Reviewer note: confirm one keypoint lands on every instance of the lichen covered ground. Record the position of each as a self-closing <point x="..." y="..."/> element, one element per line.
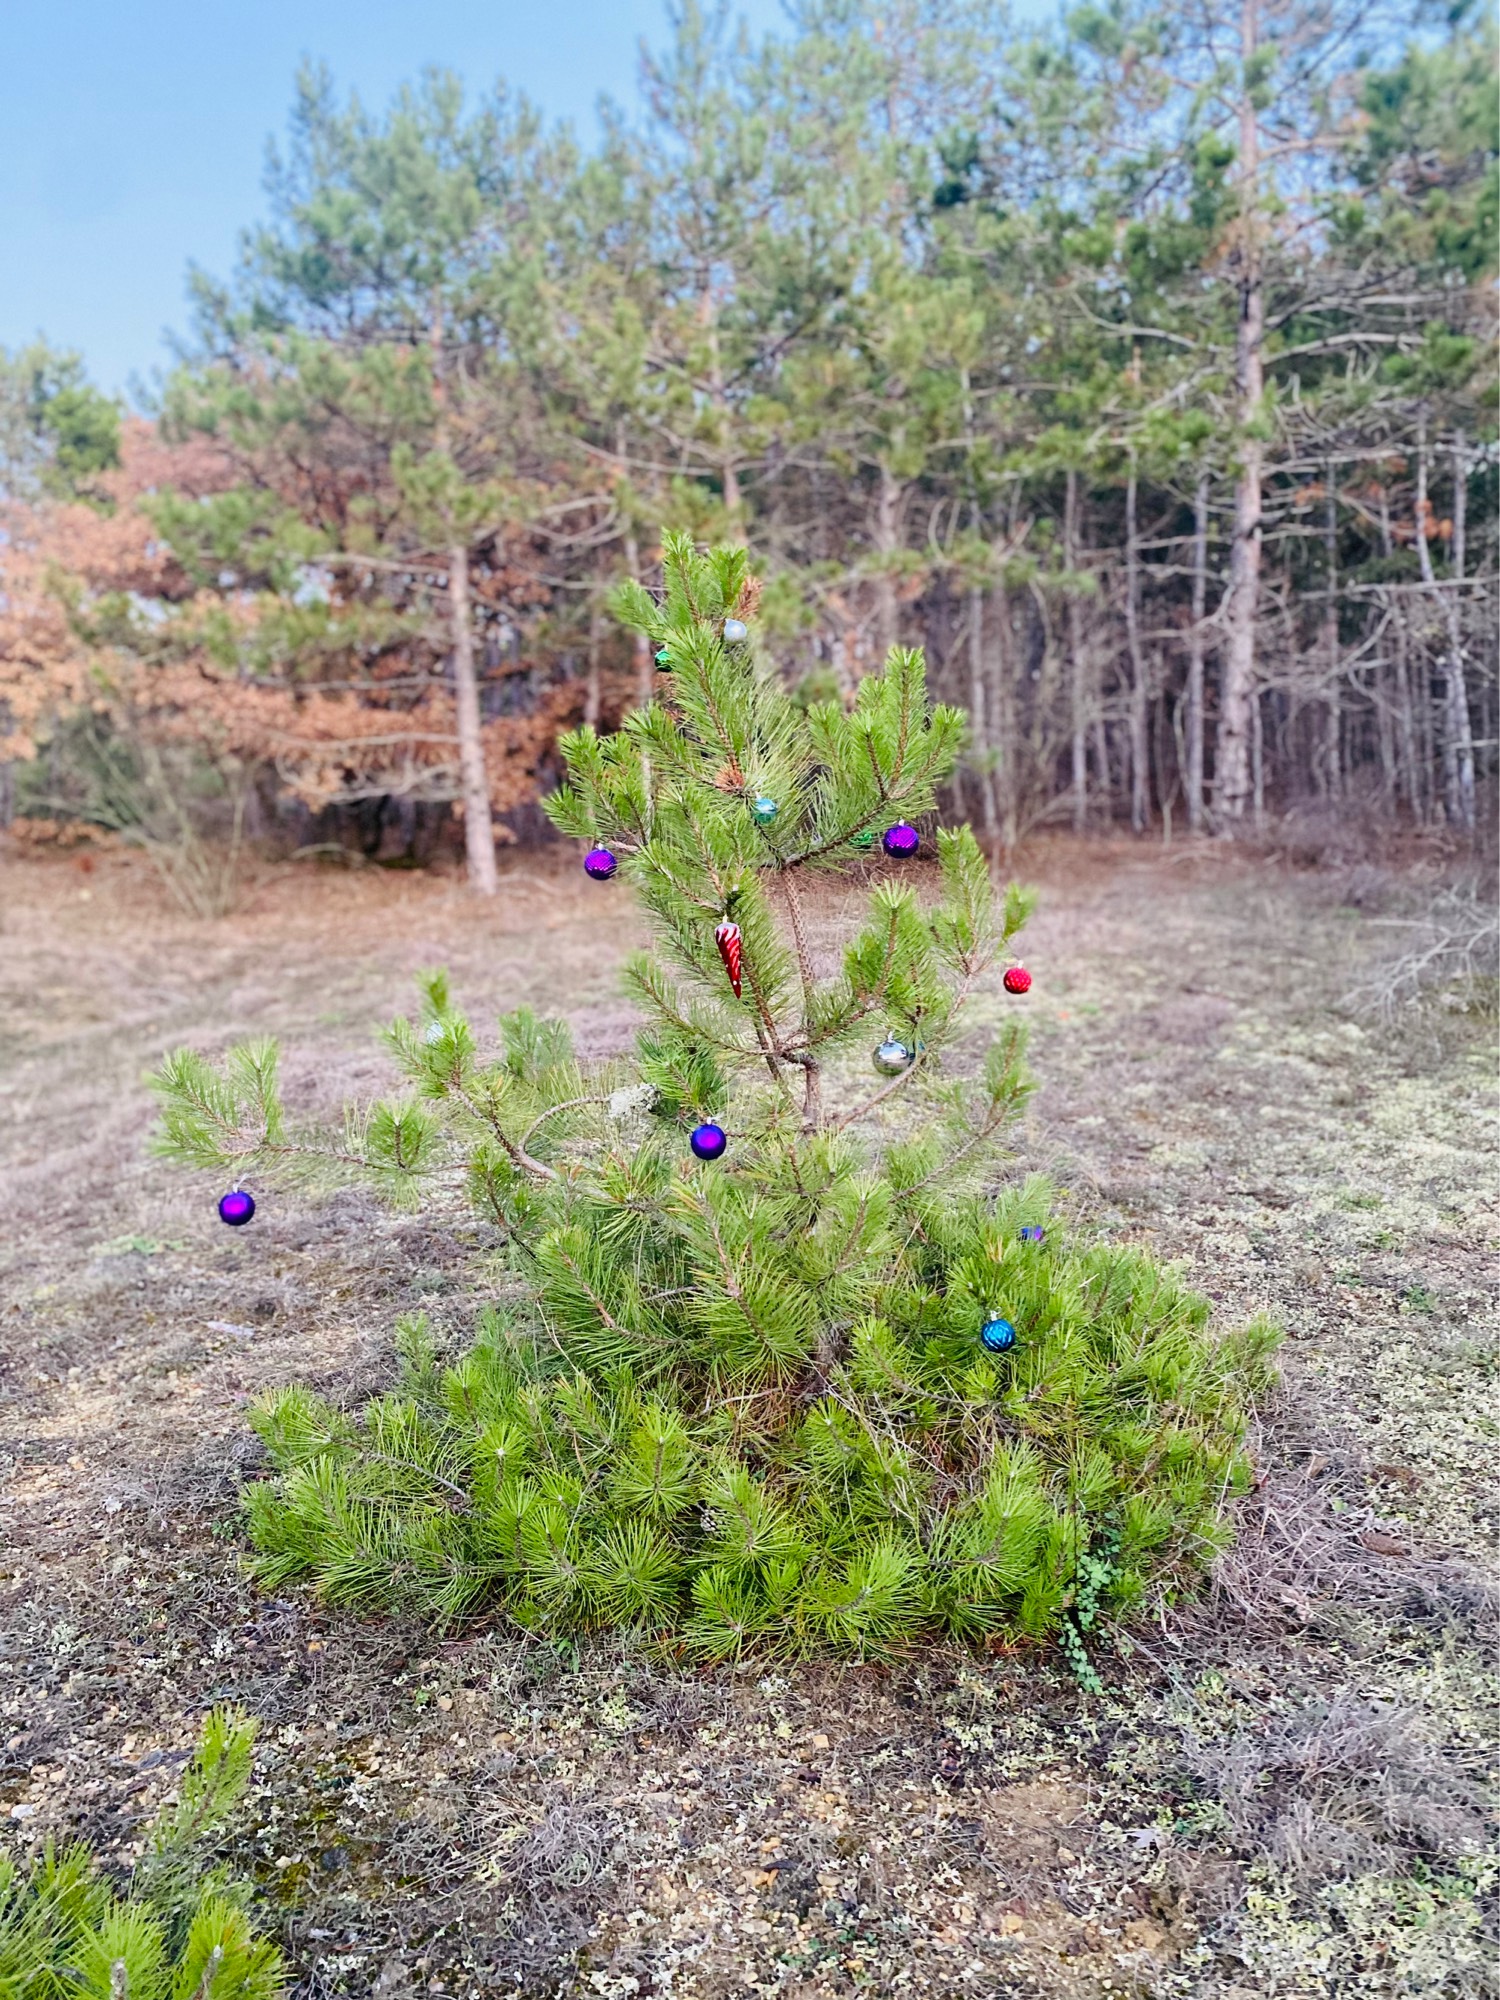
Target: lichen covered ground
<point x="1281" y="1792"/>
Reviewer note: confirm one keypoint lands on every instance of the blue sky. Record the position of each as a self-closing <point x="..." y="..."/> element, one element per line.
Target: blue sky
<point x="132" y="137"/>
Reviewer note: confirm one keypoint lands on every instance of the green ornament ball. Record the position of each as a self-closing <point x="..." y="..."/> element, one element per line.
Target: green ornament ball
<point x="863" y="840"/>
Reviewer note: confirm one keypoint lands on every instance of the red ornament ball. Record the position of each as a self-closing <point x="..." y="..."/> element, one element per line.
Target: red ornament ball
<point x="1017" y="979"/>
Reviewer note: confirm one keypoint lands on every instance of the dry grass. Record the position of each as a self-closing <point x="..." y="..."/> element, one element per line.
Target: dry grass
<point x="1281" y="1792"/>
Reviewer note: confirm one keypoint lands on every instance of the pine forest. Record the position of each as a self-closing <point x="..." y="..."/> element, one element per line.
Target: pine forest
<point x="1138" y="369"/>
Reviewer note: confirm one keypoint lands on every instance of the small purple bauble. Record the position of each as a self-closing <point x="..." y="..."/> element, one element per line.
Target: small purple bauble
<point x="901" y="840"/>
<point x="708" y="1141"/>
<point x="236" y="1207"/>
<point x="1032" y="1232"/>
<point x="599" y="864"/>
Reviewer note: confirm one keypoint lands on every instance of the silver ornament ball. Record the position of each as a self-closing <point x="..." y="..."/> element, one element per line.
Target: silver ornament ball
<point x="892" y="1057"/>
<point x="735" y="631"/>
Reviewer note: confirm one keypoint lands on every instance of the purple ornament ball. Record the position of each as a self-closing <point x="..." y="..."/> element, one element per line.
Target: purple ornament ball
<point x="1032" y="1232"/>
<point x="901" y="840"/>
<point x="236" y="1208"/>
<point x="708" y="1141"/>
<point x="599" y="864"/>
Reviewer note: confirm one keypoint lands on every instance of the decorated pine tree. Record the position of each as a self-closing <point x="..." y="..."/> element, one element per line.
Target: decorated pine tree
<point x="798" y="1364"/>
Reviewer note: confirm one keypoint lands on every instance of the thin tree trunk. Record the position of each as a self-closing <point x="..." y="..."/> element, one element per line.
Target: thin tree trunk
<point x="1193" y="699"/>
<point x="645" y="666"/>
<point x="479" y="836"/>
<point x="1257" y="761"/>
<point x="1407" y="728"/>
<point x="1076" y="676"/>
<point x="592" y="691"/>
<point x="729" y="466"/>
<point x="887" y="524"/>
<point x="1103" y="776"/>
<point x="1237" y="692"/>
<point x="1333" y="773"/>
<point x="1140" y="752"/>
<point x="1007" y="737"/>
<point x="474" y="786"/>
<point x="1385" y="740"/>
<point x="1458" y="738"/>
<point x="984" y="762"/>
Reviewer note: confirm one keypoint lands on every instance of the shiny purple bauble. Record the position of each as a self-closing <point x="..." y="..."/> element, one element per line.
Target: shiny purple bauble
<point x="599" y="864"/>
<point x="708" y="1141"/>
<point x="901" y="841"/>
<point x="236" y="1208"/>
<point x="1032" y="1232"/>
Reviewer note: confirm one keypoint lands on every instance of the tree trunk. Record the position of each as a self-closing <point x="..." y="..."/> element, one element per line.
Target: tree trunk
<point x="592" y="688"/>
<point x="1257" y="761"/>
<point x="1193" y="700"/>
<point x="1457" y="734"/>
<point x="479" y="838"/>
<point x="1406" y="721"/>
<point x="1140" y="751"/>
<point x="887" y="527"/>
<point x="708" y="313"/>
<point x="474" y="786"/>
<point x="1006" y="767"/>
<point x="1076" y="668"/>
<point x="984" y="761"/>
<point x="1385" y="740"/>
<point x="645" y="666"/>
<point x="1332" y="760"/>
<point x="1237" y="692"/>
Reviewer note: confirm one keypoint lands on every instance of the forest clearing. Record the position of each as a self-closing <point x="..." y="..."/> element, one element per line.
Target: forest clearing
<point x="1279" y="1790"/>
<point x="748" y="973"/>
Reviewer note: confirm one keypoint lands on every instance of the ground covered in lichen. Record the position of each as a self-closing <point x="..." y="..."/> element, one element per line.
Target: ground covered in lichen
<point x="1282" y="1791"/>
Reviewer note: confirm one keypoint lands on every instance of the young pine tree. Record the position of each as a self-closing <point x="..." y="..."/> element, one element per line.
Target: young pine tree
<point x="178" y="1930"/>
<point x="793" y="1373"/>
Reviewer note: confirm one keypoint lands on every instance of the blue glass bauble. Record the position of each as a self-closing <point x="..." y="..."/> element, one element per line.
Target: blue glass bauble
<point x="997" y="1336"/>
<point x="236" y="1207"/>
<point x="1032" y="1232"/>
<point x="708" y="1141"/>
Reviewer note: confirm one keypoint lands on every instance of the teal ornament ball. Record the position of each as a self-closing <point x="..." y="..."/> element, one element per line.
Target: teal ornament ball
<point x="764" y="810"/>
<point x="892" y="1057"/>
<point x="664" y="660"/>
<point x="736" y="631"/>
<point x="997" y="1336"/>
